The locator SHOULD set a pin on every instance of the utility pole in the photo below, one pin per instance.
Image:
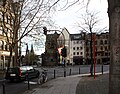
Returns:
(114, 28)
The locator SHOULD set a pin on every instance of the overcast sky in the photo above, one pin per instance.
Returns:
(69, 17)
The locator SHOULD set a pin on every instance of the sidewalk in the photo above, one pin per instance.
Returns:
(62, 85)
(73, 85)
(89, 85)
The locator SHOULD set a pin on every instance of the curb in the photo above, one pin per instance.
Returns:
(87, 74)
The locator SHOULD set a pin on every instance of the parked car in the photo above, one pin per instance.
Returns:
(21, 73)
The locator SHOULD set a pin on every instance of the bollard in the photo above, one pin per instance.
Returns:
(3, 88)
(28, 84)
(79, 70)
(64, 73)
(3, 85)
(54, 73)
(102, 68)
(28, 81)
(70, 72)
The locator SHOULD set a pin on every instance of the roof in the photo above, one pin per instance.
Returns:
(76, 37)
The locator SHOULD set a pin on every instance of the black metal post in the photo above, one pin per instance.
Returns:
(79, 70)
(28, 84)
(54, 73)
(102, 68)
(28, 80)
(3, 87)
(64, 68)
(70, 72)
(64, 72)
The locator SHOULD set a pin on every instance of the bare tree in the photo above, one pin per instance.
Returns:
(69, 3)
(89, 23)
(25, 16)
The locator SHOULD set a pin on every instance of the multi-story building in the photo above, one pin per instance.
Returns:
(5, 26)
(75, 45)
(77, 48)
(100, 48)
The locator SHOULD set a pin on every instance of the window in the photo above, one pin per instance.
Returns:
(101, 42)
(101, 48)
(106, 48)
(77, 42)
(81, 42)
(6, 47)
(98, 54)
(73, 42)
(73, 53)
(73, 48)
(77, 48)
(105, 41)
(106, 54)
(81, 53)
(77, 53)
(81, 48)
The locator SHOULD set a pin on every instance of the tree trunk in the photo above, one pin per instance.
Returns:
(16, 55)
(91, 52)
(114, 28)
(9, 60)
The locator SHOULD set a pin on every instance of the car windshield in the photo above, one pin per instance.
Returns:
(25, 68)
(11, 70)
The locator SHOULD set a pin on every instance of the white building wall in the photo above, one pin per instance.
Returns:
(77, 48)
(70, 44)
(65, 37)
(67, 43)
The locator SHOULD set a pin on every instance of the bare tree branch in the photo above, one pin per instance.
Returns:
(33, 14)
(90, 22)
